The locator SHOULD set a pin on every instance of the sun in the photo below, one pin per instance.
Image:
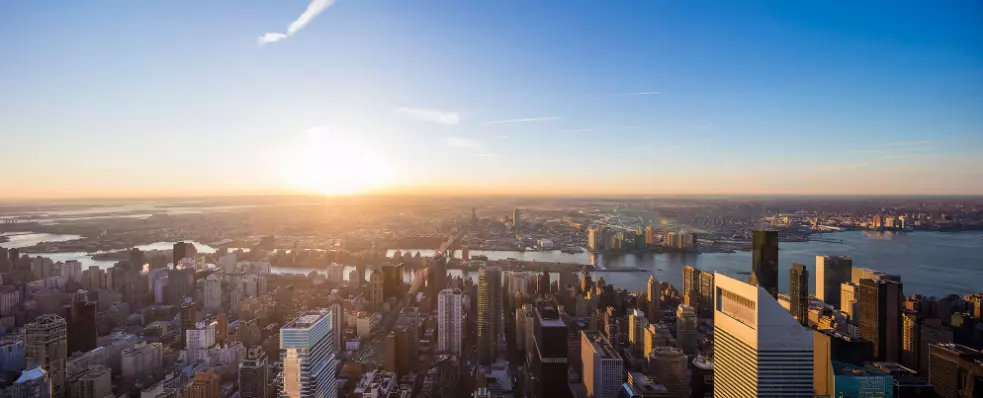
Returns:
(333, 167)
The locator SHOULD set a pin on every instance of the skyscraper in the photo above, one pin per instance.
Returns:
(686, 329)
(910, 339)
(213, 294)
(879, 307)
(489, 313)
(764, 262)
(547, 354)
(956, 371)
(46, 346)
(798, 293)
(81, 322)
(180, 285)
(669, 364)
(932, 332)
(392, 281)
(705, 301)
(637, 322)
(183, 250)
(189, 317)
(308, 357)
(337, 326)
(516, 218)
(830, 346)
(849, 292)
(254, 375)
(654, 297)
(759, 349)
(375, 291)
(831, 272)
(691, 286)
(206, 385)
(449, 321)
(603, 368)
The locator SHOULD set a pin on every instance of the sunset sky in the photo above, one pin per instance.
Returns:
(147, 98)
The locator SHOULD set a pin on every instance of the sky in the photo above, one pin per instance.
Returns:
(187, 98)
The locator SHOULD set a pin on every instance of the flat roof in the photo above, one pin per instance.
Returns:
(305, 320)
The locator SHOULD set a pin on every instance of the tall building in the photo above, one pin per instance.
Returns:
(375, 291)
(180, 285)
(759, 349)
(516, 218)
(705, 302)
(308, 357)
(254, 375)
(849, 292)
(829, 346)
(932, 332)
(764, 262)
(183, 250)
(798, 293)
(548, 355)
(81, 322)
(205, 385)
(407, 338)
(637, 323)
(879, 315)
(338, 327)
(654, 297)
(955, 371)
(213, 294)
(911, 330)
(850, 380)
(489, 313)
(450, 321)
(189, 318)
(691, 286)
(46, 346)
(831, 272)
(603, 368)
(670, 365)
(392, 281)
(141, 360)
(95, 382)
(686, 329)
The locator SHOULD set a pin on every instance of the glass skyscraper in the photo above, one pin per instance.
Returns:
(308, 357)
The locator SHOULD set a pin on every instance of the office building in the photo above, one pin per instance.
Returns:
(46, 346)
(254, 375)
(705, 302)
(183, 250)
(764, 261)
(189, 319)
(669, 365)
(691, 286)
(516, 219)
(80, 318)
(759, 349)
(829, 346)
(376, 297)
(407, 339)
(308, 357)
(338, 326)
(831, 272)
(32, 383)
(879, 315)
(12, 354)
(654, 296)
(955, 371)
(391, 352)
(548, 355)
(199, 339)
(603, 368)
(849, 292)
(392, 281)
(489, 314)
(911, 330)
(932, 332)
(637, 322)
(686, 329)
(205, 385)
(213, 294)
(96, 382)
(450, 322)
(180, 285)
(141, 360)
(798, 293)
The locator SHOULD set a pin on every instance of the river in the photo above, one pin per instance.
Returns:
(930, 263)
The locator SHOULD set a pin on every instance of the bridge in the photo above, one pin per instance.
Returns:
(445, 247)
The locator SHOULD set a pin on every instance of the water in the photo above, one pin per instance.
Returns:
(18, 240)
(930, 263)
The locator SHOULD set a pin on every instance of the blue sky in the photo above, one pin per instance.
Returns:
(179, 97)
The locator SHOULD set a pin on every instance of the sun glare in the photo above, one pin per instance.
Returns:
(333, 167)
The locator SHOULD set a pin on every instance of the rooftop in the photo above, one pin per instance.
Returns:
(845, 369)
(305, 320)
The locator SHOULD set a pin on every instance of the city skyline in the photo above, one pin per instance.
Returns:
(545, 98)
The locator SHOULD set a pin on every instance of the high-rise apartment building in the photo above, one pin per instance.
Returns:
(849, 292)
(392, 281)
(254, 375)
(955, 371)
(141, 360)
(686, 329)
(831, 272)
(375, 291)
(691, 286)
(603, 368)
(764, 262)
(213, 294)
(46, 346)
(489, 313)
(450, 322)
(798, 293)
(637, 322)
(879, 315)
(759, 349)
(654, 297)
(308, 357)
(205, 385)
(516, 218)
(670, 365)
(80, 318)
(95, 382)
(337, 326)
(911, 330)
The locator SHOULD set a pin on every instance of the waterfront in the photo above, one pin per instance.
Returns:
(930, 263)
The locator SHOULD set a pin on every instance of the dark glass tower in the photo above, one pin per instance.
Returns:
(798, 292)
(547, 360)
(879, 310)
(489, 314)
(764, 264)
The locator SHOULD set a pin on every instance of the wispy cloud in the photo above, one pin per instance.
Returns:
(313, 9)
(638, 93)
(528, 119)
(462, 142)
(429, 115)
(891, 148)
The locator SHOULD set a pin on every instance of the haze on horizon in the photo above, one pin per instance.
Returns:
(155, 99)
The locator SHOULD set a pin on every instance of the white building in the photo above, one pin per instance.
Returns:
(760, 350)
(141, 360)
(449, 321)
(72, 269)
(308, 357)
(602, 366)
(200, 339)
(213, 294)
(228, 263)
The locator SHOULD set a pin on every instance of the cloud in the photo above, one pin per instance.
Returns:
(528, 119)
(904, 144)
(313, 9)
(462, 142)
(638, 93)
(429, 115)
